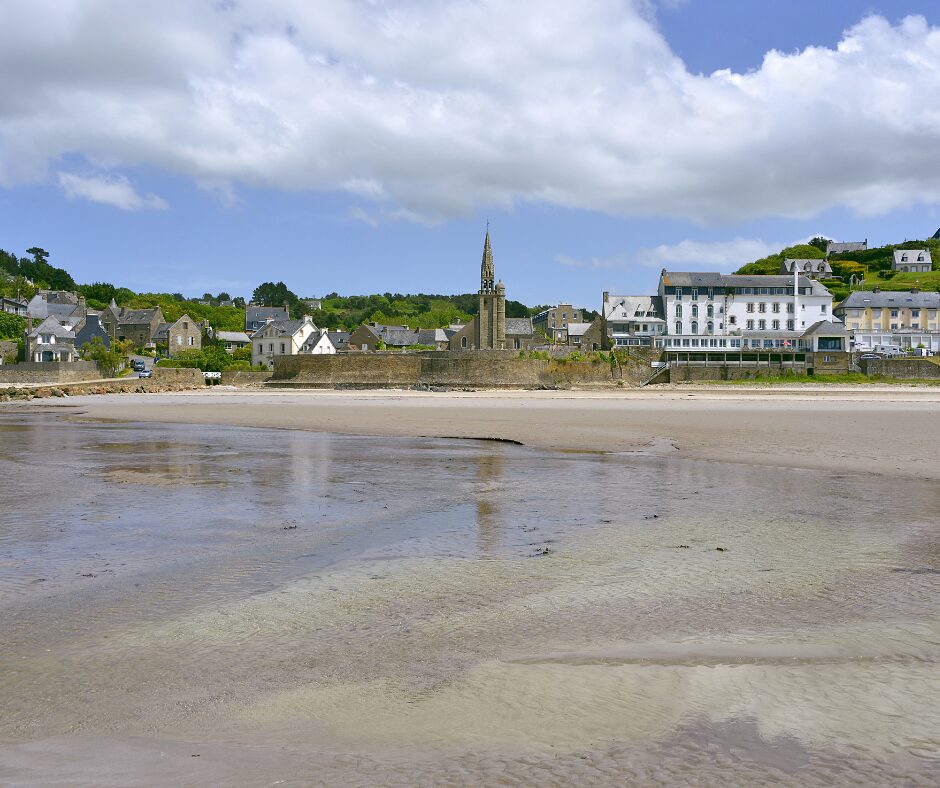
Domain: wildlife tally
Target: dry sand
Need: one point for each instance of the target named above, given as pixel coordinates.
(889, 430)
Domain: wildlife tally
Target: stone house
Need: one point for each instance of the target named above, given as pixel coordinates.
(256, 316)
(834, 247)
(279, 338)
(66, 307)
(911, 261)
(139, 326)
(184, 334)
(633, 320)
(51, 341)
(553, 322)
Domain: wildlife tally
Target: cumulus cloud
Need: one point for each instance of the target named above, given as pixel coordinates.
(113, 190)
(437, 109)
(707, 255)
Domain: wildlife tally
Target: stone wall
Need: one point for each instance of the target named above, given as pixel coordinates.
(49, 372)
(163, 380)
(904, 369)
(452, 370)
(245, 377)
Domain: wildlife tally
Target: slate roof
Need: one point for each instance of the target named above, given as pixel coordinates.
(707, 279)
(89, 329)
(578, 329)
(340, 339)
(52, 326)
(641, 307)
(519, 326)
(849, 246)
(859, 299)
(912, 256)
(288, 327)
(832, 329)
(232, 336)
(801, 263)
(259, 314)
(136, 317)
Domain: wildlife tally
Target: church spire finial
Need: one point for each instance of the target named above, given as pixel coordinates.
(487, 273)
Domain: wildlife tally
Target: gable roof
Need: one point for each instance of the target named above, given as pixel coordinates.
(578, 329)
(859, 299)
(52, 326)
(339, 338)
(232, 336)
(283, 327)
(641, 307)
(811, 265)
(259, 314)
(830, 329)
(132, 317)
(849, 246)
(90, 328)
(913, 256)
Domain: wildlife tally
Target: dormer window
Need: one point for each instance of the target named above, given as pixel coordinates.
(903, 258)
(920, 258)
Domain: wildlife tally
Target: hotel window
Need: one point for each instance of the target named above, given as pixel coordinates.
(694, 310)
(894, 313)
(695, 342)
(750, 325)
(732, 320)
(678, 310)
(713, 343)
(694, 327)
(762, 307)
(710, 328)
(775, 325)
(761, 325)
(915, 325)
(789, 325)
(775, 307)
(790, 308)
(750, 307)
(695, 295)
(894, 326)
(679, 293)
(678, 328)
(722, 343)
(915, 313)
(710, 310)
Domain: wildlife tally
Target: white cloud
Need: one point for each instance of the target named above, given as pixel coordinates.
(436, 109)
(707, 255)
(114, 190)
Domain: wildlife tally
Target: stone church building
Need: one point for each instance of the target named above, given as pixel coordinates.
(490, 329)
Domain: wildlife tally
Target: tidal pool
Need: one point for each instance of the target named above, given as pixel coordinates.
(185, 604)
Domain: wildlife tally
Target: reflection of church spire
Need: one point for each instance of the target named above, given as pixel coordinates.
(487, 274)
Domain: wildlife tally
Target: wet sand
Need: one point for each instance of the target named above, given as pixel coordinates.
(223, 588)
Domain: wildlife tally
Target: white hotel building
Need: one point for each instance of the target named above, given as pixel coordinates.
(726, 313)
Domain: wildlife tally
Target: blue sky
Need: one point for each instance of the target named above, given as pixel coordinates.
(362, 148)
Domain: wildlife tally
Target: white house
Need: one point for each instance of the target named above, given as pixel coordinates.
(633, 319)
(279, 338)
(319, 343)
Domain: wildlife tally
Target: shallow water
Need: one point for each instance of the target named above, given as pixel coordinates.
(218, 604)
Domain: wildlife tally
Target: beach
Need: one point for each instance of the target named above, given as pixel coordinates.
(690, 585)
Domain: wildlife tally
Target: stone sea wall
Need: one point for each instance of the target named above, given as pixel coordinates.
(49, 372)
(245, 377)
(904, 369)
(452, 370)
(163, 379)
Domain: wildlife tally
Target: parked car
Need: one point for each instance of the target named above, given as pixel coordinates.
(138, 365)
(145, 373)
(869, 357)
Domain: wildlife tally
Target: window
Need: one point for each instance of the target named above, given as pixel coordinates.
(762, 307)
(750, 307)
(679, 293)
(710, 310)
(515, 343)
(283, 350)
(790, 308)
(822, 308)
(695, 295)
(678, 310)
(710, 328)
(732, 320)
(678, 328)
(185, 326)
(694, 310)
(270, 347)
(179, 340)
(761, 325)
(894, 326)
(915, 313)
(463, 342)
(750, 325)
(775, 307)
(894, 313)
(694, 326)
(789, 325)
(903, 258)
(192, 341)
(775, 325)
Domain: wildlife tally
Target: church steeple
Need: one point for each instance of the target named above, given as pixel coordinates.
(487, 274)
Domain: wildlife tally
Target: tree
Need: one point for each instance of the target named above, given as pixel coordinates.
(11, 326)
(223, 296)
(277, 294)
(108, 360)
(820, 243)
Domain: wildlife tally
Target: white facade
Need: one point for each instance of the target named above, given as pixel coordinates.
(318, 344)
(911, 261)
(722, 312)
(279, 338)
(633, 320)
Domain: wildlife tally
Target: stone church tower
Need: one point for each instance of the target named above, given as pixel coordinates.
(490, 331)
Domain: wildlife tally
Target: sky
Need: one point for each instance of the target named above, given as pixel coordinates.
(362, 146)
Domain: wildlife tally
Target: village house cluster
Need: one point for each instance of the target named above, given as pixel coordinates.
(694, 318)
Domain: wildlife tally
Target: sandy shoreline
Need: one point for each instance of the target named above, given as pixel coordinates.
(887, 430)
